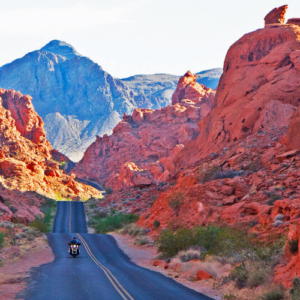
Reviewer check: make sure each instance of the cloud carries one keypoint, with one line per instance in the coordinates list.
(65, 19)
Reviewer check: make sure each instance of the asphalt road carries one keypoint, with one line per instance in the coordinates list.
(101, 271)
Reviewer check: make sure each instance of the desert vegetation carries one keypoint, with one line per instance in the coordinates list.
(228, 254)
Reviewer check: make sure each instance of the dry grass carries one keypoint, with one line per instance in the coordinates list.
(188, 255)
(210, 265)
(132, 229)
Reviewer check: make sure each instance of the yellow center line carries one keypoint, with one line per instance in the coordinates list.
(70, 219)
(116, 284)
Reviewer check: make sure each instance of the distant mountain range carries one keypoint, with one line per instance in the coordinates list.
(78, 100)
(156, 90)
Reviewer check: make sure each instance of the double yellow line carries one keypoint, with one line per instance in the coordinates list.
(116, 284)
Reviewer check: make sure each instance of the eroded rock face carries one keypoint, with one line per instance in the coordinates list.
(189, 91)
(294, 21)
(276, 16)
(292, 138)
(149, 139)
(259, 88)
(25, 160)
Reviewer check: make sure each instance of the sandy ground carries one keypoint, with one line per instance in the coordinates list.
(17, 263)
(144, 257)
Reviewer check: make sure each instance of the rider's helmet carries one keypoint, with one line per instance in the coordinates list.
(74, 238)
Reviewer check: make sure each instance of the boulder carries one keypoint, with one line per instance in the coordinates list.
(202, 275)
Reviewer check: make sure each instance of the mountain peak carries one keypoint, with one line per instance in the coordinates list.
(60, 48)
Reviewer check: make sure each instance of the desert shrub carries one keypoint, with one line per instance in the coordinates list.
(133, 230)
(176, 202)
(170, 243)
(217, 173)
(227, 174)
(218, 241)
(230, 297)
(275, 294)
(240, 276)
(108, 190)
(189, 255)
(295, 290)
(142, 241)
(40, 224)
(273, 197)
(113, 222)
(156, 224)
(256, 279)
(293, 246)
(1, 239)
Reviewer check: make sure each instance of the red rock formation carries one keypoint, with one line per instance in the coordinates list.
(294, 21)
(25, 159)
(292, 139)
(146, 140)
(276, 16)
(259, 88)
(190, 92)
(237, 166)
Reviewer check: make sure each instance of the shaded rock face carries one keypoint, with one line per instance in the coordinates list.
(276, 16)
(25, 161)
(292, 138)
(155, 91)
(148, 139)
(75, 96)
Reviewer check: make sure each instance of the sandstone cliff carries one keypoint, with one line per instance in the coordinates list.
(25, 161)
(243, 167)
(146, 140)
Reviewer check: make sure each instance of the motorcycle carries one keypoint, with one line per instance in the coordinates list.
(74, 250)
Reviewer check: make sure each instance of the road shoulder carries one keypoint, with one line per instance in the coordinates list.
(144, 256)
(18, 260)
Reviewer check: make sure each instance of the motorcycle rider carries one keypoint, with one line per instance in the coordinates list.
(74, 242)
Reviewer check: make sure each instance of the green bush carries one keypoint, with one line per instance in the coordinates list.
(218, 241)
(40, 224)
(156, 224)
(108, 190)
(2, 235)
(113, 222)
(275, 294)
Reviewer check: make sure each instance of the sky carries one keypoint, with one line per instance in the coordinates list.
(129, 37)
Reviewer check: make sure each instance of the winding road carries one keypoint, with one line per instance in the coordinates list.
(101, 271)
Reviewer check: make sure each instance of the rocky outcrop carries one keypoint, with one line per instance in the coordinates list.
(259, 88)
(75, 97)
(294, 21)
(78, 100)
(189, 91)
(276, 16)
(26, 161)
(149, 139)
(292, 138)
(155, 91)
